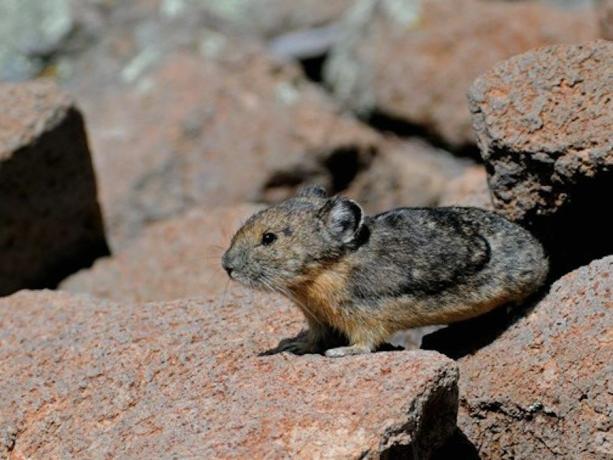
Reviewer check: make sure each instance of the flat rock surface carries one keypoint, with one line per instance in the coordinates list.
(542, 389)
(50, 220)
(174, 259)
(415, 60)
(84, 377)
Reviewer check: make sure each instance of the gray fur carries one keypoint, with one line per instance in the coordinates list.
(440, 256)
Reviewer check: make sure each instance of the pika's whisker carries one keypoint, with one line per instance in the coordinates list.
(223, 296)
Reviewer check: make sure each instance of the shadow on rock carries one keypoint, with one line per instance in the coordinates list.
(457, 446)
(466, 337)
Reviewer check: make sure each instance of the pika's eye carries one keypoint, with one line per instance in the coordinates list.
(268, 238)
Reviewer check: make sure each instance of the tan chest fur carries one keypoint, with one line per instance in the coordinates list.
(321, 294)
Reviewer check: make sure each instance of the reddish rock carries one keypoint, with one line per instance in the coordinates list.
(469, 189)
(217, 131)
(417, 64)
(404, 173)
(87, 378)
(544, 120)
(605, 17)
(50, 222)
(542, 389)
(175, 259)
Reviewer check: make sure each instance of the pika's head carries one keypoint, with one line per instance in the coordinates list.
(284, 245)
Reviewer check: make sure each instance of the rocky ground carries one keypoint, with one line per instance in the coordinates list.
(159, 126)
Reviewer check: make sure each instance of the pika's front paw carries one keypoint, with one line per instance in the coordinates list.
(301, 345)
(347, 351)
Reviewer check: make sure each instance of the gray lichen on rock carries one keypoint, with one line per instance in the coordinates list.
(29, 31)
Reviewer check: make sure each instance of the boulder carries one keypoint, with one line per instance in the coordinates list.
(174, 259)
(542, 388)
(544, 121)
(468, 189)
(414, 61)
(89, 378)
(50, 220)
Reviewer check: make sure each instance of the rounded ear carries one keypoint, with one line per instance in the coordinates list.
(312, 190)
(344, 218)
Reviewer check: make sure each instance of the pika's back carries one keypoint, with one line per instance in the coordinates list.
(430, 251)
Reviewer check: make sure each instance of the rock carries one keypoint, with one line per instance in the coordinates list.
(88, 378)
(50, 222)
(269, 18)
(544, 121)
(469, 189)
(411, 64)
(605, 17)
(174, 259)
(223, 130)
(30, 31)
(542, 388)
(404, 173)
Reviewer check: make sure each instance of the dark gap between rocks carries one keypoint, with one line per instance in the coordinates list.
(388, 123)
(581, 230)
(343, 166)
(458, 446)
(336, 172)
(313, 68)
(81, 258)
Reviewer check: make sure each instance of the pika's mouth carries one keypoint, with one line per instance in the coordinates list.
(240, 277)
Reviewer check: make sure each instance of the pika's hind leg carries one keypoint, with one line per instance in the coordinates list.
(348, 351)
(364, 337)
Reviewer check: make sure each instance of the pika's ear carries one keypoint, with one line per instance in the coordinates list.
(312, 190)
(343, 217)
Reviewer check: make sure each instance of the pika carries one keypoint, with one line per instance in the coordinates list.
(369, 277)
